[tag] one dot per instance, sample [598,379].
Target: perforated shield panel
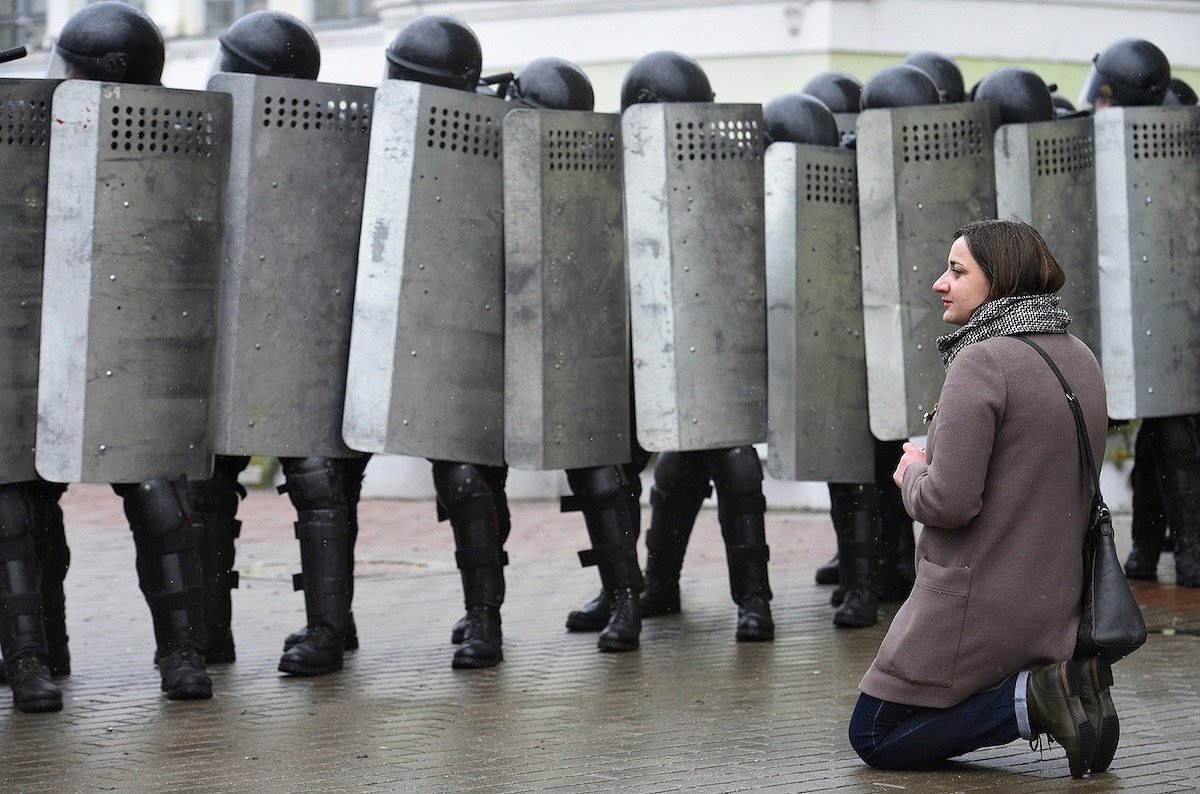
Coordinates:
[922,173]
[695,251]
[1148,225]
[297,176]
[566,368]
[426,361]
[817,424]
[1046,176]
[133,249]
[24,159]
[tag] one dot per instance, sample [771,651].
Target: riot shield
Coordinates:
[24,161]
[1148,236]
[922,173]
[297,172]
[694,229]
[425,373]
[133,253]
[1046,176]
[817,423]
[566,335]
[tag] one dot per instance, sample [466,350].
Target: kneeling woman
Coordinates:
[980,653]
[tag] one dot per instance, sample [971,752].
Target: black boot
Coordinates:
[1179,471]
[614,553]
[481,564]
[213,508]
[54,558]
[594,615]
[828,573]
[22,639]
[858,546]
[746,553]
[171,579]
[672,515]
[325,575]
[1149,523]
[897,563]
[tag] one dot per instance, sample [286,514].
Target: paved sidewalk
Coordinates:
[692,710]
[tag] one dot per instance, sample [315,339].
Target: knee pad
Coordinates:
[313,483]
[215,496]
[676,472]
[737,471]
[16,515]
[459,483]
[595,486]
[154,507]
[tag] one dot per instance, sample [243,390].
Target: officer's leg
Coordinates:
[54,558]
[1149,521]
[1179,469]
[22,640]
[465,494]
[171,579]
[594,615]
[602,494]
[857,520]
[213,508]
[898,565]
[737,473]
[316,490]
[680,487]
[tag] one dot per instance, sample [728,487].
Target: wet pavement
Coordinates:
[692,710]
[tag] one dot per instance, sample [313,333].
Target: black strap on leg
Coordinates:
[747,555]
[602,555]
[480,556]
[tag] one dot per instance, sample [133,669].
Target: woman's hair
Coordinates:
[1013,256]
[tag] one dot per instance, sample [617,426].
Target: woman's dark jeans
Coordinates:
[894,736]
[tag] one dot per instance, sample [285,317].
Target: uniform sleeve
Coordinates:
[947,491]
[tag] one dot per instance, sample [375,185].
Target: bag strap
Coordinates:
[1085,444]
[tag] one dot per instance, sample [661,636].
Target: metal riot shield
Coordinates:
[1148,232]
[425,374]
[694,227]
[817,423]
[922,173]
[133,255]
[1046,176]
[566,335]
[24,161]
[297,172]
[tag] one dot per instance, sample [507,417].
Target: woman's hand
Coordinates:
[912,454]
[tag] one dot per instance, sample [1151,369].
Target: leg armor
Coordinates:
[318,493]
[171,578]
[468,495]
[1149,517]
[22,639]
[54,558]
[858,528]
[602,494]
[213,508]
[681,484]
[737,473]
[1179,478]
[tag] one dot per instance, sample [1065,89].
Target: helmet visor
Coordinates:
[110,67]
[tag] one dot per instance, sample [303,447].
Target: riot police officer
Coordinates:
[324,491]
[943,71]
[1166,465]
[113,41]
[682,479]
[604,494]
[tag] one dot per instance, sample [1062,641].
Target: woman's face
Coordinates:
[963,287]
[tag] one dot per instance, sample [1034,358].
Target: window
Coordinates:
[220,14]
[22,22]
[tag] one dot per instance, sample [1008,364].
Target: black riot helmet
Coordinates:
[943,70]
[800,118]
[110,41]
[1023,97]
[1179,93]
[552,84]
[1130,72]
[899,86]
[840,92]
[269,43]
[665,76]
[436,49]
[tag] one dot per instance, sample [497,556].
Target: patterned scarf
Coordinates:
[1023,314]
